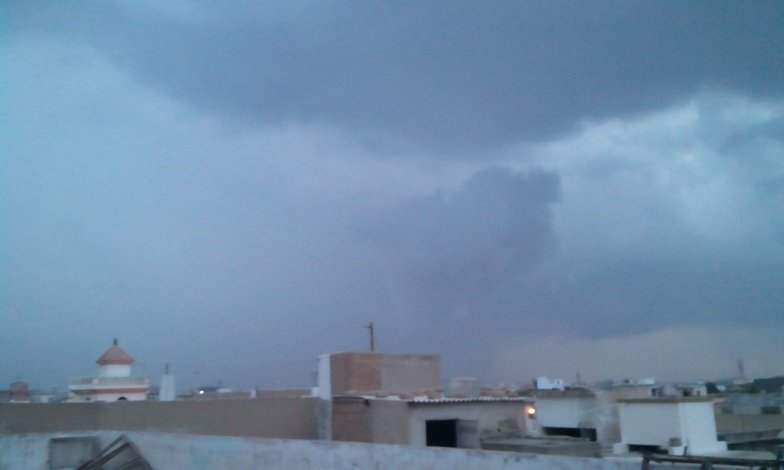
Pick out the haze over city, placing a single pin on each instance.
(525, 188)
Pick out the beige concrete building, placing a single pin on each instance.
(444, 422)
(398, 399)
(377, 374)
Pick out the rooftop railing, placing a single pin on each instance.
(109, 381)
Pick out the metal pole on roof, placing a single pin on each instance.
(372, 336)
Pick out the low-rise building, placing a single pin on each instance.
(677, 425)
(114, 381)
(19, 392)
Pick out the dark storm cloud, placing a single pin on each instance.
(631, 294)
(455, 249)
(446, 75)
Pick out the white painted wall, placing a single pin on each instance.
(106, 397)
(114, 370)
(182, 451)
(324, 389)
(649, 424)
(130, 396)
(566, 412)
(168, 390)
(699, 428)
(546, 383)
(655, 422)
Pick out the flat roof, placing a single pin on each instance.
(568, 393)
(441, 401)
(655, 400)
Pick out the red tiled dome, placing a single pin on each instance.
(114, 355)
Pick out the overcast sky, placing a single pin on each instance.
(525, 188)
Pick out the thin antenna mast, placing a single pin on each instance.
(370, 327)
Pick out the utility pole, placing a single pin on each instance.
(370, 327)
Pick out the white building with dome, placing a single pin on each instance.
(114, 381)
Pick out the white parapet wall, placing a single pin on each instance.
(184, 451)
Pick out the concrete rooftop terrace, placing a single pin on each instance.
(165, 451)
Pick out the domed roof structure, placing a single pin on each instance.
(114, 355)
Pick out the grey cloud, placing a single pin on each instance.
(455, 249)
(457, 76)
(630, 294)
(198, 241)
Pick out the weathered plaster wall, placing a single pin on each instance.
(50, 417)
(388, 422)
(353, 373)
(351, 419)
(565, 411)
(278, 417)
(356, 419)
(492, 418)
(356, 373)
(410, 373)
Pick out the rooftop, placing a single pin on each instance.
(115, 355)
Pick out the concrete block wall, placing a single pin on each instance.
(274, 417)
(357, 373)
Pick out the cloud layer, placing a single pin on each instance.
(234, 189)
(455, 77)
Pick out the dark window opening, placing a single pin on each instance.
(580, 433)
(645, 449)
(441, 432)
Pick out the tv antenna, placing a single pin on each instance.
(372, 330)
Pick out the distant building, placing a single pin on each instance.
(168, 389)
(428, 422)
(114, 381)
(576, 413)
(217, 392)
(546, 383)
(462, 387)
(769, 385)
(399, 399)
(19, 392)
(636, 388)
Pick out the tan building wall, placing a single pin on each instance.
(351, 419)
(287, 418)
(48, 417)
(356, 373)
(490, 418)
(383, 421)
(356, 419)
(389, 422)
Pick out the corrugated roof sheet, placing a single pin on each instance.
(428, 401)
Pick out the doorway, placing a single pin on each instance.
(441, 432)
